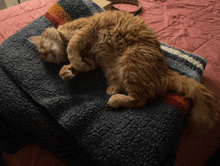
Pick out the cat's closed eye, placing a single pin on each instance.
(47, 46)
(43, 51)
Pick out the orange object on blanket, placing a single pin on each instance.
(57, 15)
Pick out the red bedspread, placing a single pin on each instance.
(16, 17)
(191, 25)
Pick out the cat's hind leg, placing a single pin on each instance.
(121, 100)
(137, 76)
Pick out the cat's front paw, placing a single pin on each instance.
(66, 73)
(112, 90)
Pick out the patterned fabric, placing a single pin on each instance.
(184, 62)
(57, 15)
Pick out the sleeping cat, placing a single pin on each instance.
(129, 53)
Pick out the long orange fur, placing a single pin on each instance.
(129, 53)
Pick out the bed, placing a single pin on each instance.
(192, 26)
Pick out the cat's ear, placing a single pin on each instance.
(63, 38)
(35, 40)
(53, 31)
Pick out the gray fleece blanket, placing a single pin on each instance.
(71, 119)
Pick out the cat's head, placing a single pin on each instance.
(51, 45)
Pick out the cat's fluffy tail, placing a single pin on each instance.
(203, 108)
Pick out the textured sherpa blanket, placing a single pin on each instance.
(71, 119)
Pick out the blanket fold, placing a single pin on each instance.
(29, 120)
(71, 118)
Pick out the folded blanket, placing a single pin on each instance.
(71, 118)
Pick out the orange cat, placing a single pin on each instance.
(129, 53)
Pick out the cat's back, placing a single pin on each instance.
(123, 21)
(120, 29)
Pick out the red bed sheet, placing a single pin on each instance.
(14, 18)
(191, 25)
